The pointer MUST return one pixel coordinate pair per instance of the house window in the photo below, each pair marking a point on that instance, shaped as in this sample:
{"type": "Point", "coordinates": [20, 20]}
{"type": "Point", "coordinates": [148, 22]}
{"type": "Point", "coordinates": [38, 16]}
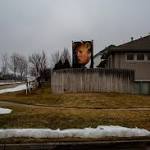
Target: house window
{"type": "Point", "coordinates": [130, 56]}
{"type": "Point", "coordinates": [140, 56]}
{"type": "Point", "coordinates": [148, 56]}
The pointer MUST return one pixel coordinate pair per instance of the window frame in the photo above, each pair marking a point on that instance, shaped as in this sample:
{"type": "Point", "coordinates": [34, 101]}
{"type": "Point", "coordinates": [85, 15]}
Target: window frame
{"type": "Point", "coordinates": [132, 59]}
{"type": "Point", "coordinates": [140, 60]}
{"type": "Point", "coordinates": [147, 57]}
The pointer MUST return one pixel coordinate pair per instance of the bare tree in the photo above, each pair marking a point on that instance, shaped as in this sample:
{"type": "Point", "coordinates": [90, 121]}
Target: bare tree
{"type": "Point", "coordinates": [38, 63]}
{"type": "Point", "coordinates": [14, 63]}
{"type": "Point", "coordinates": [43, 63]}
{"type": "Point", "coordinates": [65, 55]}
{"type": "Point", "coordinates": [18, 64]}
{"type": "Point", "coordinates": [22, 68]}
{"type": "Point", "coordinates": [61, 61]}
{"type": "Point", "coordinates": [35, 59]}
{"type": "Point", "coordinates": [55, 58]}
{"type": "Point", "coordinates": [4, 68]}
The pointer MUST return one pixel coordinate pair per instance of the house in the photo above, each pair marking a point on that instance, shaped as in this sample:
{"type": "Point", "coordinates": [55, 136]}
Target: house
{"type": "Point", "coordinates": [99, 60]}
{"type": "Point", "coordinates": [134, 55]}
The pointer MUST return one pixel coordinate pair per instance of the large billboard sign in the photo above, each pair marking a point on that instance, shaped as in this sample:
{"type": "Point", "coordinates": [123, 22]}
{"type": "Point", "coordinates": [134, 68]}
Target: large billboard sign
{"type": "Point", "coordinates": [82, 54]}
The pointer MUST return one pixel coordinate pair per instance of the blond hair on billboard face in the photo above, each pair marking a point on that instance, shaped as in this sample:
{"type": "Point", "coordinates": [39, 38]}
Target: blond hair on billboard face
{"type": "Point", "coordinates": [88, 45]}
{"type": "Point", "coordinates": [83, 53]}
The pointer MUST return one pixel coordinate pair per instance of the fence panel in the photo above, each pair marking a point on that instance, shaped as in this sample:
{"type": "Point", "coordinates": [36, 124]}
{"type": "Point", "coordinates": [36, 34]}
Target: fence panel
{"type": "Point", "coordinates": [92, 80]}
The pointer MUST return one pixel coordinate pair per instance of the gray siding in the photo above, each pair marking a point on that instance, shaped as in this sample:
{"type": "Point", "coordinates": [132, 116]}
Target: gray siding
{"type": "Point", "coordinates": [141, 68]}
{"type": "Point", "coordinates": [142, 87]}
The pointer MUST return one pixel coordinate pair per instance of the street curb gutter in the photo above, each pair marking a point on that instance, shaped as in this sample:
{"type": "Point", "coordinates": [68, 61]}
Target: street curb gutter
{"type": "Point", "coordinates": [113, 145]}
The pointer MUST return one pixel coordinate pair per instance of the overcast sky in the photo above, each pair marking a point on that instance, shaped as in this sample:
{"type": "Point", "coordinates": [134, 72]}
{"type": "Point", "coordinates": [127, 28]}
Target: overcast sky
{"type": "Point", "coordinates": [27, 26]}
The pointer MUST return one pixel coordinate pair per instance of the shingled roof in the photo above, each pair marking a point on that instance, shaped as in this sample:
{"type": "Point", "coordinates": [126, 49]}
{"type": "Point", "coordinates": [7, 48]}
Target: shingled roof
{"type": "Point", "coordinates": [104, 50]}
{"type": "Point", "coordinates": [141, 44]}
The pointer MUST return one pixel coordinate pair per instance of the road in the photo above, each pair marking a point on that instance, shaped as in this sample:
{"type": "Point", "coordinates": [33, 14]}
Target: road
{"type": "Point", "coordinates": [108, 145]}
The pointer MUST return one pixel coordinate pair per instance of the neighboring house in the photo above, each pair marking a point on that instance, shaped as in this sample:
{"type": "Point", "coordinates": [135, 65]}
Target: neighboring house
{"type": "Point", "coordinates": [99, 61]}
{"type": "Point", "coordinates": [134, 55]}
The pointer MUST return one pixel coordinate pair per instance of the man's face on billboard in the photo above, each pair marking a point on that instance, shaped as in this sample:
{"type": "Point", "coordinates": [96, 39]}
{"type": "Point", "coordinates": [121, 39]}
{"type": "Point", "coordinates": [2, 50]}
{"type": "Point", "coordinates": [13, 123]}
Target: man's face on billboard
{"type": "Point", "coordinates": [83, 54]}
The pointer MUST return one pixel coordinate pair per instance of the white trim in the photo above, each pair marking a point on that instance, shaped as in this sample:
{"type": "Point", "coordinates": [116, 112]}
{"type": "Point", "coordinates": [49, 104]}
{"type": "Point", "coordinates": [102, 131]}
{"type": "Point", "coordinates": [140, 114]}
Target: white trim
{"type": "Point", "coordinates": [142, 80]}
{"type": "Point", "coordinates": [146, 54]}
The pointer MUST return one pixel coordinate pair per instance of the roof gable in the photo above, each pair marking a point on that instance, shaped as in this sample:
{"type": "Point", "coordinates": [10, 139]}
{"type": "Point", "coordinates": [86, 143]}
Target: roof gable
{"type": "Point", "coordinates": [138, 45]}
{"type": "Point", "coordinates": [104, 51]}
{"type": "Point", "coordinates": [135, 45]}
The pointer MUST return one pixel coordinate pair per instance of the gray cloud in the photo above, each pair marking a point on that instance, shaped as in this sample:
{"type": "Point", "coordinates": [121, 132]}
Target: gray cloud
{"type": "Point", "coordinates": [27, 26]}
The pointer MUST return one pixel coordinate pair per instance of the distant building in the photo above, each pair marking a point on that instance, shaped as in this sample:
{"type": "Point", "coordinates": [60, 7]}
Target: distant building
{"type": "Point", "coordinates": [134, 55]}
{"type": "Point", "coordinates": [99, 61]}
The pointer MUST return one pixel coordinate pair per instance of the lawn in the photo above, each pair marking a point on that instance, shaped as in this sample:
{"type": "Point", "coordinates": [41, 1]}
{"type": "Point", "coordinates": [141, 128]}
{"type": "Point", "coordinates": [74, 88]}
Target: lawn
{"type": "Point", "coordinates": [42, 109]}
{"type": "Point", "coordinates": [44, 97]}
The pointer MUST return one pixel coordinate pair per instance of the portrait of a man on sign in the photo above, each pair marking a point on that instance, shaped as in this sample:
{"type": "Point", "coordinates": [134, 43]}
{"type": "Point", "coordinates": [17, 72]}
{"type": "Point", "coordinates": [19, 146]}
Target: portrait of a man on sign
{"type": "Point", "coordinates": [82, 54]}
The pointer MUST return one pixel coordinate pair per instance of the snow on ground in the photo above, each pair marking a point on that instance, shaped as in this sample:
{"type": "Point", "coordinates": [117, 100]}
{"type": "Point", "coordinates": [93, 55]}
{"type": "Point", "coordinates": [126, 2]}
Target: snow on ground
{"type": "Point", "coordinates": [5, 111]}
{"type": "Point", "coordinates": [14, 89]}
{"type": "Point", "coordinates": [99, 132]}
{"type": "Point", "coordinates": [8, 82]}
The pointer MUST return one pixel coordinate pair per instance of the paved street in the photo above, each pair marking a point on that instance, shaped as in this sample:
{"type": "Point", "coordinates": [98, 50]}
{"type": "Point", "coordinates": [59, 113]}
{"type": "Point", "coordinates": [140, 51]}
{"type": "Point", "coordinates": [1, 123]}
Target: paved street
{"type": "Point", "coordinates": [115, 145]}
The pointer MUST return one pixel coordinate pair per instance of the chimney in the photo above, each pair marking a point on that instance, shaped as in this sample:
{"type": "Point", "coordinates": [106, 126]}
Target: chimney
{"type": "Point", "coordinates": [132, 38]}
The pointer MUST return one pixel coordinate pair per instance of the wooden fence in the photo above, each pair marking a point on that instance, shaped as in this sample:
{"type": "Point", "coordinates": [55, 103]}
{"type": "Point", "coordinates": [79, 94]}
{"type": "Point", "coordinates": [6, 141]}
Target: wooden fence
{"type": "Point", "coordinates": [92, 80]}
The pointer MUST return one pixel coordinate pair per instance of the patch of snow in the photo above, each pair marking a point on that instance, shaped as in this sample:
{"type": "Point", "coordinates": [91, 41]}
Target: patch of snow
{"type": "Point", "coordinates": [31, 78]}
{"type": "Point", "coordinates": [99, 132]}
{"type": "Point", "coordinates": [9, 82]}
{"type": "Point", "coordinates": [14, 89]}
{"type": "Point", "coordinates": [5, 111]}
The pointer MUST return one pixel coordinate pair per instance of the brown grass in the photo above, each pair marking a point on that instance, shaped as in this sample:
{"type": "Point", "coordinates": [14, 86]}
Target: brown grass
{"type": "Point", "coordinates": [41, 117]}
{"type": "Point", "coordinates": [74, 110]}
{"type": "Point", "coordinates": [90, 100]}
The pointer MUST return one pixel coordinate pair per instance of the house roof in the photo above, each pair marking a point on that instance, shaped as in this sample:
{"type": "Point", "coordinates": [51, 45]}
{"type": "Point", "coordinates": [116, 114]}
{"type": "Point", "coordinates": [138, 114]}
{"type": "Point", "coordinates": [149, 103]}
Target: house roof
{"type": "Point", "coordinates": [141, 44]}
{"type": "Point", "coordinates": [103, 51]}
{"type": "Point", "coordinates": [99, 53]}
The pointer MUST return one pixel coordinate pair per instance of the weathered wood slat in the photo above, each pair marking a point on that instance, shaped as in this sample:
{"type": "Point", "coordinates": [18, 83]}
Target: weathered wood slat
{"type": "Point", "coordinates": [92, 80]}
